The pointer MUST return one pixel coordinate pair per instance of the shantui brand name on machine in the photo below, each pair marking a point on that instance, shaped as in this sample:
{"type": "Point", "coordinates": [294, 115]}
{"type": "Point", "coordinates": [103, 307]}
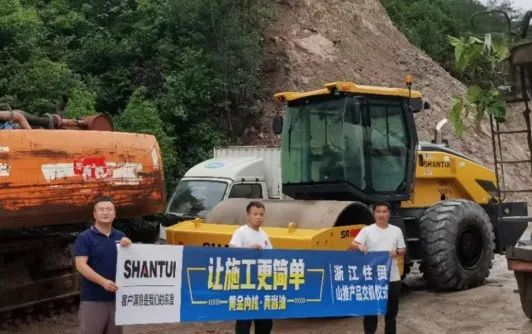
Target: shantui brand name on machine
{"type": "Point", "coordinates": [435, 164]}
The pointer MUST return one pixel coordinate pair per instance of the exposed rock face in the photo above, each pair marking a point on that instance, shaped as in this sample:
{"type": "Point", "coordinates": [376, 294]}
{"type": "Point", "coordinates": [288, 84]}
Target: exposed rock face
{"type": "Point", "coordinates": [311, 42]}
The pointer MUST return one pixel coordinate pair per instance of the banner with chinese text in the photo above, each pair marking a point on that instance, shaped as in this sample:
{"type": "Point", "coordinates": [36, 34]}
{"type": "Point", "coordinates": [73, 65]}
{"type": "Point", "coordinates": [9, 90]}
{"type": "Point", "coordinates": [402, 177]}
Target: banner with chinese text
{"type": "Point", "coordinates": [232, 283]}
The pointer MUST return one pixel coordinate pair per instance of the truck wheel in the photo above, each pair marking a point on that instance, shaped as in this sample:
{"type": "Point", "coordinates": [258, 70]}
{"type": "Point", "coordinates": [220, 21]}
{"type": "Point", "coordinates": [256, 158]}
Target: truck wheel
{"type": "Point", "coordinates": [524, 282]}
{"type": "Point", "coordinates": [457, 242]}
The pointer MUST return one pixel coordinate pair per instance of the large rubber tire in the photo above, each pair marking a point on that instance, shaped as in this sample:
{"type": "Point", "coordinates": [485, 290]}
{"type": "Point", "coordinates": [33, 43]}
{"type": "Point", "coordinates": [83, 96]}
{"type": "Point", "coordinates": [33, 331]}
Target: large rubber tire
{"type": "Point", "coordinates": [524, 282]}
{"type": "Point", "coordinates": [457, 242]}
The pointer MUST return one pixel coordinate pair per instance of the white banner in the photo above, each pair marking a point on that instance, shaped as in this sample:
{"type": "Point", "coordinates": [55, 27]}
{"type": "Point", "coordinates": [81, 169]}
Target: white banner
{"type": "Point", "coordinates": [149, 284]}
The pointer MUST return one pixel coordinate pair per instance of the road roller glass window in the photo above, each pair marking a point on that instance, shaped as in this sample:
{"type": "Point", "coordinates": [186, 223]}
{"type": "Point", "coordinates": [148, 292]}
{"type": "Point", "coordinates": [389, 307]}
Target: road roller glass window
{"type": "Point", "coordinates": [196, 198]}
{"type": "Point", "coordinates": [292, 147]}
{"type": "Point", "coordinates": [326, 142]}
{"type": "Point", "coordinates": [354, 143]}
{"type": "Point", "coordinates": [313, 147]}
{"type": "Point", "coordinates": [389, 144]}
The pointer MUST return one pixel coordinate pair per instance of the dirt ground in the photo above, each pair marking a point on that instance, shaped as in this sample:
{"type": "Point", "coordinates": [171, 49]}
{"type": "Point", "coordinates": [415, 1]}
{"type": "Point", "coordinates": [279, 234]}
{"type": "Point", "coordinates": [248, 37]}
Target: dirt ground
{"type": "Point", "coordinates": [491, 308]}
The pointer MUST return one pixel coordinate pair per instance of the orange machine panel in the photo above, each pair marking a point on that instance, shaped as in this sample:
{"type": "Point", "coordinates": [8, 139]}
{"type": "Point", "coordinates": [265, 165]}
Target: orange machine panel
{"type": "Point", "coordinates": [50, 177]}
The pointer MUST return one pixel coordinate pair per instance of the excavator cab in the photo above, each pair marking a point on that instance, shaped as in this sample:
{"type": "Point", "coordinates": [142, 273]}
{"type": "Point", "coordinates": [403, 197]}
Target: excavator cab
{"type": "Point", "coordinates": [349, 142]}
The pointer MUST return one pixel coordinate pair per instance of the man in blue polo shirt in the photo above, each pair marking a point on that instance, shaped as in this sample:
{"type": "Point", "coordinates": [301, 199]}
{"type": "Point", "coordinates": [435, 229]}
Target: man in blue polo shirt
{"type": "Point", "coordinates": [95, 250]}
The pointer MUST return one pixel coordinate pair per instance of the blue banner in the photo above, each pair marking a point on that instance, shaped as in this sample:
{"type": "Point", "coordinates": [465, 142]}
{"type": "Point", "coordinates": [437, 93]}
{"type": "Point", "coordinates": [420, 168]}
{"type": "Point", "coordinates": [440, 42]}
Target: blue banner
{"type": "Point", "coordinates": [233, 283]}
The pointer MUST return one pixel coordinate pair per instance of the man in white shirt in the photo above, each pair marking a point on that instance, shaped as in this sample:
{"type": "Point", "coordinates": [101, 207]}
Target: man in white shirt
{"type": "Point", "coordinates": [252, 236]}
{"type": "Point", "coordinates": [382, 236]}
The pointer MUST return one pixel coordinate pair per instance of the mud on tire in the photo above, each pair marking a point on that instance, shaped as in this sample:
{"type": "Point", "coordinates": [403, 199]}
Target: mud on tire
{"type": "Point", "coordinates": [457, 241]}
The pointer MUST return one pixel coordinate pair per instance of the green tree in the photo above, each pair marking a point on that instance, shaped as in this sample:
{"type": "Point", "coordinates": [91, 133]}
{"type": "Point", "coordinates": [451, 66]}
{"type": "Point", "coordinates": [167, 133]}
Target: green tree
{"type": "Point", "coordinates": [19, 31]}
{"type": "Point", "coordinates": [141, 116]}
{"type": "Point", "coordinates": [81, 102]}
{"type": "Point", "coordinates": [192, 63]}
{"type": "Point", "coordinates": [427, 23]}
{"type": "Point", "coordinates": [38, 84]}
{"type": "Point", "coordinates": [484, 60]}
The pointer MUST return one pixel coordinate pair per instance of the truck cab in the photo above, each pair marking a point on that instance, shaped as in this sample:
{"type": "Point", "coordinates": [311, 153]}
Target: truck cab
{"type": "Point", "coordinates": [235, 172]}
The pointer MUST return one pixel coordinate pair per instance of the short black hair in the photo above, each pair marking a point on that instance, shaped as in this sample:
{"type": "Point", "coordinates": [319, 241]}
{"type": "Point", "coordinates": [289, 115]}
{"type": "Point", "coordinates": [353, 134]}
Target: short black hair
{"type": "Point", "coordinates": [386, 204]}
{"type": "Point", "coordinates": [99, 199]}
{"type": "Point", "coordinates": [255, 204]}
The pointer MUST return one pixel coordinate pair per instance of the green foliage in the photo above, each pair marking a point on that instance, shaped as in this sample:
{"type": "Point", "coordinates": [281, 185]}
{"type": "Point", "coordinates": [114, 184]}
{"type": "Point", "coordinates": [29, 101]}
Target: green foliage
{"type": "Point", "coordinates": [478, 61]}
{"type": "Point", "coordinates": [81, 102]}
{"type": "Point", "coordinates": [479, 103]}
{"type": "Point", "coordinates": [427, 23]}
{"type": "Point", "coordinates": [467, 52]}
{"type": "Point", "coordinates": [141, 116]}
{"type": "Point", "coordinates": [457, 114]}
{"type": "Point", "coordinates": [205, 136]}
{"type": "Point", "coordinates": [19, 29]}
{"type": "Point", "coordinates": [484, 62]}
{"type": "Point", "coordinates": [37, 84]}
{"type": "Point", "coordinates": [192, 64]}
{"type": "Point", "coordinates": [482, 58]}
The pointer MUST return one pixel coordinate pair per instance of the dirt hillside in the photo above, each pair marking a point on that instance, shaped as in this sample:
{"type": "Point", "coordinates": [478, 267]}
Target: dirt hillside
{"type": "Point", "coordinates": [312, 42]}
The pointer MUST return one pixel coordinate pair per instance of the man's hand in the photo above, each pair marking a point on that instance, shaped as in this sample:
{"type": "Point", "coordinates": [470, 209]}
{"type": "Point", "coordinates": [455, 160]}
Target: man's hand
{"type": "Point", "coordinates": [256, 246]}
{"type": "Point", "coordinates": [363, 248]}
{"type": "Point", "coordinates": [110, 285]}
{"type": "Point", "coordinates": [356, 246]}
{"type": "Point", "coordinates": [125, 241]}
{"type": "Point", "coordinates": [393, 253]}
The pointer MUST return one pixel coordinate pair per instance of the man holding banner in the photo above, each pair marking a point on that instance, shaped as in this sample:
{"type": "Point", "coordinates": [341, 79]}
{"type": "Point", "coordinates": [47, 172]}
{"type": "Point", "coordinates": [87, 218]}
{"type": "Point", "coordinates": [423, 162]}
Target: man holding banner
{"type": "Point", "coordinates": [382, 236]}
{"type": "Point", "coordinates": [252, 236]}
{"type": "Point", "coordinates": [95, 252]}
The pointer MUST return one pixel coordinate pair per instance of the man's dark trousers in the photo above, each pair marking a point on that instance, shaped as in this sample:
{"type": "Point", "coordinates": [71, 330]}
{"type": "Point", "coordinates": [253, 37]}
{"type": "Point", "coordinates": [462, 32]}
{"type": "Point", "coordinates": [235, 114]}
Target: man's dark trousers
{"type": "Point", "coordinates": [262, 326]}
{"type": "Point", "coordinates": [370, 321]}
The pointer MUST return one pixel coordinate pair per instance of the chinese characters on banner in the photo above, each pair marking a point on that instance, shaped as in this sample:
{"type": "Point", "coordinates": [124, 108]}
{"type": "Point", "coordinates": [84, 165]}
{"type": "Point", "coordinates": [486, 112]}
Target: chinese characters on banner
{"type": "Point", "coordinates": [230, 283]}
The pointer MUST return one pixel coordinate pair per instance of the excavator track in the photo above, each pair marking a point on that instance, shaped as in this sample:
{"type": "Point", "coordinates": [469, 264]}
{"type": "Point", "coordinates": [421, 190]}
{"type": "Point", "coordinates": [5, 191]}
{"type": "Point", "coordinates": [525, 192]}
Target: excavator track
{"type": "Point", "coordinates": [37, 275]}
{"type": "Point", "coordinates": [30, 314]}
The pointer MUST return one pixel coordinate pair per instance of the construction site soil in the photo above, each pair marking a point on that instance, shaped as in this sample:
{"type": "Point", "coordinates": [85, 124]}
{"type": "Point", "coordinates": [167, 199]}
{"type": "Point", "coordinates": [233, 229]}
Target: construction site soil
{"type": "Point", "coordinates": [310, 43]}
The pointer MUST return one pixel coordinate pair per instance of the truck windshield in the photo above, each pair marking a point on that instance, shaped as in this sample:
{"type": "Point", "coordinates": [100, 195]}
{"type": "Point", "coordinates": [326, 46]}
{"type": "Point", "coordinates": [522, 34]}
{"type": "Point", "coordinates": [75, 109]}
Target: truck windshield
{"type": "Point", "coordinates": [196, 198]}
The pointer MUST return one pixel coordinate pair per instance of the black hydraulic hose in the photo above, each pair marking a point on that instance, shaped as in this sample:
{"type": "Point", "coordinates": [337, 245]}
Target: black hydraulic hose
{"type": "Point", "coordinates": [46, 121]}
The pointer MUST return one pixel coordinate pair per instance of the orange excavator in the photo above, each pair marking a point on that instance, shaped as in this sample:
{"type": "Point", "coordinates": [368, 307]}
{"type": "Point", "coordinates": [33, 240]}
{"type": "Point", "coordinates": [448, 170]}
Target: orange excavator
{"type": "Point", "coordinates": [51, 169]}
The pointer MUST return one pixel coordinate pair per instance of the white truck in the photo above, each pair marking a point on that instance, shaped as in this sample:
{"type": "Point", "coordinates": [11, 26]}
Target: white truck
{"type": "Point", "coordinates": [233, 172]}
